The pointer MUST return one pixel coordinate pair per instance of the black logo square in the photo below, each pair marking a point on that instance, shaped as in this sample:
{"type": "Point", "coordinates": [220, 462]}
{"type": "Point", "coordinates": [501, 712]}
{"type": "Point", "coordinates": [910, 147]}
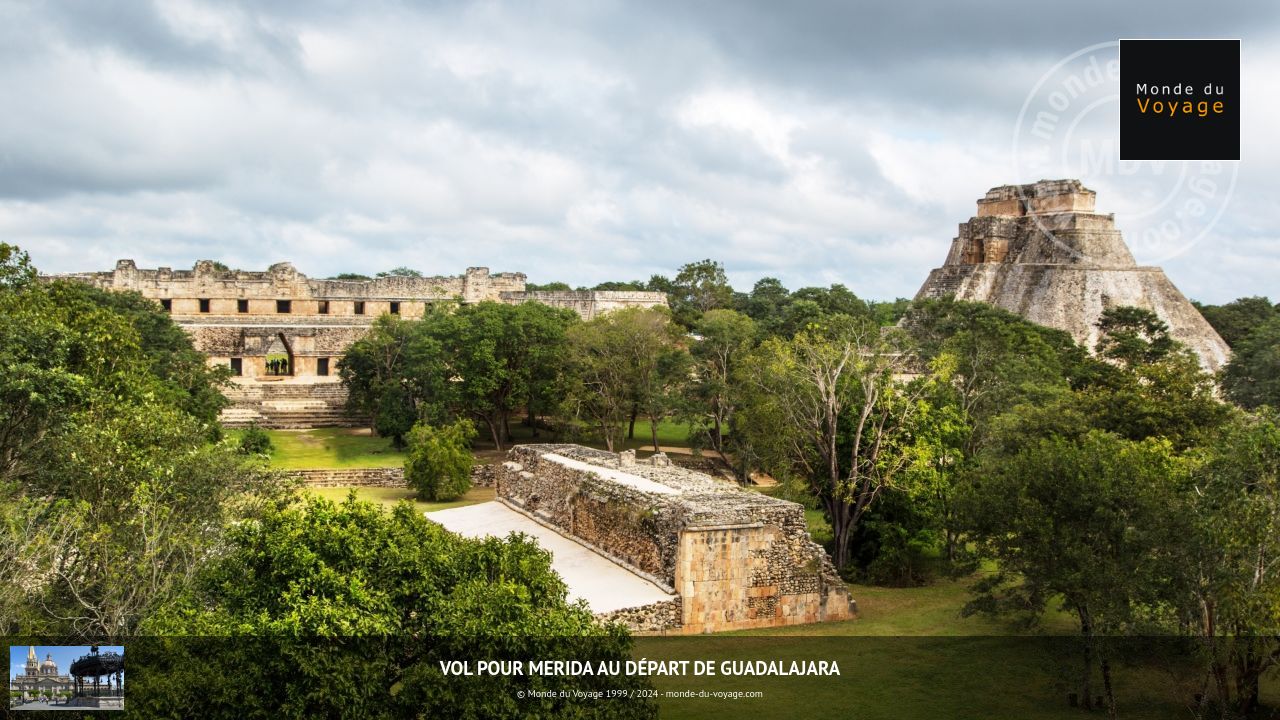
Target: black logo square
{"type": "Point", "coordinates": [1179, 99]}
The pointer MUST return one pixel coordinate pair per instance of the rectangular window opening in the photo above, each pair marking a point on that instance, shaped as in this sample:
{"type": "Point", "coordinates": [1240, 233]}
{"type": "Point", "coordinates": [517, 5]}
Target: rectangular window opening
{"type": "Point", "coordinates": [284, 306]}
{"type": "Point", "coordinates": [242, 306]}
{"type": "Point", "coordinates": [359, 307]}
{"type": "Point", "coordinates": [322, 307]}
{"type": "Point", "coordinates": [204, 305]}
{"type": "Point", "coordinates": [237, 367]}
{"type": "Point", "coordinates": [322, 366]}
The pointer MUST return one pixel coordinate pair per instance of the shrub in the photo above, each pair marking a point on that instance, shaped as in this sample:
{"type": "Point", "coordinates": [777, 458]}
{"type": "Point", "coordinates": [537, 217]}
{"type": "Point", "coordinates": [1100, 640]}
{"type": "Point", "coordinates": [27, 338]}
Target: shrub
{"type": "Point", "coordinates": [439, 461]}
{"type": "Point", "coordinates": [255, 441]}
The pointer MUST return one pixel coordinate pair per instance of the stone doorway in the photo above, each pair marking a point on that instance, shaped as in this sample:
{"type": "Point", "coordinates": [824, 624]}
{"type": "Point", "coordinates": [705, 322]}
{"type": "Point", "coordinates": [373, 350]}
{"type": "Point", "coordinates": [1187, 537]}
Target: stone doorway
{"type": "Point", "coordinates": [279, 360]}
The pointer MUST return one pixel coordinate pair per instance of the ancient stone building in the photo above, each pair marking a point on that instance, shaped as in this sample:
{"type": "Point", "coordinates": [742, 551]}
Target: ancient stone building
{"type": "Point", "coordinates": [1041, 251]}
{"type": "Point", "coordinates": [282, 333]}
{"type": "Point", "coordinates": [703, 555]}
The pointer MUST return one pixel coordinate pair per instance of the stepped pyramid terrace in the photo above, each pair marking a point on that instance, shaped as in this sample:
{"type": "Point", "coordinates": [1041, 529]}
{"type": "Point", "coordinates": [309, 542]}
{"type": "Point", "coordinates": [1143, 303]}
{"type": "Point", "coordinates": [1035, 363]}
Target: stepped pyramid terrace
{"type": "Point", "coordinates": [1042, 251]}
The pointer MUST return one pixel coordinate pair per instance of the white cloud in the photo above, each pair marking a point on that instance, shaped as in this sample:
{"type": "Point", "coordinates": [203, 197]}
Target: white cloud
{"type": "Point", "coordinates": [576, 142]}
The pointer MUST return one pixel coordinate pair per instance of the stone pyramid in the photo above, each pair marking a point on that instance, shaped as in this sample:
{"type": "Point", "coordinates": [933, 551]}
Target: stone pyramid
{"type": "Point", "coordinates": [1041, 251]}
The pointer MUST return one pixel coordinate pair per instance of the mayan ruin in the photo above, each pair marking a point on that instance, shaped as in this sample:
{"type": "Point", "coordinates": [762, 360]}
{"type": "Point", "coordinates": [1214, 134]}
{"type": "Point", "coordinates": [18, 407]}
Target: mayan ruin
{"type": "Point", "coordinates": [283, 333]}
{"type": "Point", "coordinates": [1041, 250]}
{"type": "Point", "coordinates": [699, 554]}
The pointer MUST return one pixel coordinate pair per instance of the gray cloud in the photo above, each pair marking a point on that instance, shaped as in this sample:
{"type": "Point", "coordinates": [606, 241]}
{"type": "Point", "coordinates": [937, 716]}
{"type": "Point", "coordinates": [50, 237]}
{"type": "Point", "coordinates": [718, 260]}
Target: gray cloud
{"type": "Point", "coordinates": [578, 141]}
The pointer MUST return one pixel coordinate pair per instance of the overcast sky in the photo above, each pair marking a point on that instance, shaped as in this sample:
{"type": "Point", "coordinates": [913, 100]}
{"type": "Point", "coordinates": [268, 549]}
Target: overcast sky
{"type": "Point", "coordinates": [583, 141]}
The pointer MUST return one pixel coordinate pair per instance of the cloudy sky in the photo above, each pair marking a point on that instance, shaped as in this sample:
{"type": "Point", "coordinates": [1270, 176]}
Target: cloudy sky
{"type": "Point", "coordinates": [586, 141]}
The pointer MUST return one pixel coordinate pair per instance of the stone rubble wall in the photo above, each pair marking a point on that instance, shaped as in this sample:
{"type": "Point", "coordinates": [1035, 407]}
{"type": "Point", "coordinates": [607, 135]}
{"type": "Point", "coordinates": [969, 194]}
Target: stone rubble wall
{"type": "Point", "coordinates": [353, 477]}
{"type": "Point", "coordinates": [659, 617]}
{"type": "Point", "coordinates": [481, 476]}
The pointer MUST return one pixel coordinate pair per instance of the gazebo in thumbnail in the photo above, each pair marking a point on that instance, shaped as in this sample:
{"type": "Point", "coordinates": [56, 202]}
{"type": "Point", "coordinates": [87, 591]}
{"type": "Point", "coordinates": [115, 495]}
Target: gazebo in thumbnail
{"type": "Point", "coordinates": [99, 666]}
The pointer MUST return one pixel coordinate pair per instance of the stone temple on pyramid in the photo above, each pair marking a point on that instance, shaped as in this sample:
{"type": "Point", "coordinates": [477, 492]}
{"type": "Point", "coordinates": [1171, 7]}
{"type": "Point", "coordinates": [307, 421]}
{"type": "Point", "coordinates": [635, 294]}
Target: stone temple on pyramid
{"type": "Point", "coordinates": [1041, 251]}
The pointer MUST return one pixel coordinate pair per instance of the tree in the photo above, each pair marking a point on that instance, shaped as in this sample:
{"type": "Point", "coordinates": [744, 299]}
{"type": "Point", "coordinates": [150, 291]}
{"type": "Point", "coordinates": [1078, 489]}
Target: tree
{"type": "Point", "coordinates": [499, 357]}
{"type": "Point", "coordinates": [401, 271]}
{"type": "Point", "coordinates": [1133, 336]}
{"type": "Point", "coordinates": [766, 304]}
{"type": "Point", "coordinates": [698, 287]}
{"type": "Point", "coordinates": [106, 445]}
{"type": "Point", "coordinates": [439, 462]}
{"type": "Point", "coordinates": [724, 337]}
{"type": "Point", "coordinates": [1221, 552]}
{"type": "Point", "coordinates": [1252, 376]}
{"type": "Point", "coordinates": [255, 441]}
{"type": "Point", "coordinates": [1076, 518]}
{"type": "Point", "coordinates": [551, 286]}
{"type": "Point", "coordinates": [376, 370]}
{"type": "Point", "coordinates": [623, 362]}
{"type": "Point", "coordinates": [348, 610]}
{"type": "Point", "coordinates": [1146, 384]}
{"type": "Point", "coordinates": [828, 407]}
{"type": "Point", "coordinates": [1237, 319]}
{"type": "Point", "coordinates": [621, 285]}
{"type": "Point", "coordinates": [482, 361]}
{"type": "Point", "coordinates": [350, 276]}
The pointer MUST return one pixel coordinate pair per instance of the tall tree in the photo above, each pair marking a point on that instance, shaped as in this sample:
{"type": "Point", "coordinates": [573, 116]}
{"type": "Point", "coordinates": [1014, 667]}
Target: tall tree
{"type": "Point", "coordinates": [830, 407]}
{"type": "Point", "coordinates": [698, 287]}
{"type": "Point", "coordinates": [624, 360]}
{"type": "Point", "coordinates": [1076, 518]}
{"type": "Point", "coordinates": [724, 337]}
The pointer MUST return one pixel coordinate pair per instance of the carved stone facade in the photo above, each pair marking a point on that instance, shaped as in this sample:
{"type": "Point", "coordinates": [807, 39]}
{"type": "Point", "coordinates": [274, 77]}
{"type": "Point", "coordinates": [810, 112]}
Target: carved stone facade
{"type": "Point", "coordinates": [734, 559]}
{"type": "Point", "coordinates": [281, 325]}
{"type": "Point", "coordinates": [1040, 250]}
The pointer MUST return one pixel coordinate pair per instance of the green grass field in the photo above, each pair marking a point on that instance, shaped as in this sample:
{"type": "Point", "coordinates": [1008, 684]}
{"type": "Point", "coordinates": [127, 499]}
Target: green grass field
{"type": "Point", "coordinates": [331, 448]}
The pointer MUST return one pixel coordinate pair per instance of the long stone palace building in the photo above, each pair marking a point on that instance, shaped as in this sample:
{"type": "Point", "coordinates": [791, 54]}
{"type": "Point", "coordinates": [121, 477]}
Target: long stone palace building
{"type": "Point", "coordinates": [282, 333]}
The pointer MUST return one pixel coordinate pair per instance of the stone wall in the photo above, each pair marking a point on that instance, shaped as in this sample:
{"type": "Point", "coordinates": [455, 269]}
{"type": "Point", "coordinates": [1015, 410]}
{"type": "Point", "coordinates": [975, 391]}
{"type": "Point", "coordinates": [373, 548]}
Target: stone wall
{"type": "Point", "coordinates": [354, 477]}
{"type": "Point", "coordinates": [738, 559]}
{"type": "Point", "coordinates": [481, 476]}
{"type": "Point", "coordinates": [657, 618]}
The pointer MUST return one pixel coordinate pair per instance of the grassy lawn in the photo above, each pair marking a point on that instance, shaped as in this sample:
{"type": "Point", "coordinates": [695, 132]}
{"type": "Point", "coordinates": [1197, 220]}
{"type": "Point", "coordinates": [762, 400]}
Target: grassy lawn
{"type": "Point", "coordinates": [332, 448]}
{"type": "Point", "coordinates": [911, 655]}
{"type": "Point", "coordinates": [389, 497]}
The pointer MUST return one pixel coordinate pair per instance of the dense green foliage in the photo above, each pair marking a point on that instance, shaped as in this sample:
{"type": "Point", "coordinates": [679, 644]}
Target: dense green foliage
{"type": "Point", "coordinates": [1252, 377]}
{"type": "Point", "coordinates": [482, 362]}
{"type": "Point", "coordinates": [439, 461]}
{"type": "Point", "coordinates": [255, 441]}
{"type": "Point", "coordinates": [112, 488]}
{"type": "Point", "coordinates": [404, 594]}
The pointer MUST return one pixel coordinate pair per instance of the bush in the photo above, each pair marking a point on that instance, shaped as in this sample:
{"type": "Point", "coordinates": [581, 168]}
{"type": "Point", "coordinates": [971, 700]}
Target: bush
{"type": "Point", "coordinates": [255, 441]}
{"type": "Point", "coordinates": [439, 461]}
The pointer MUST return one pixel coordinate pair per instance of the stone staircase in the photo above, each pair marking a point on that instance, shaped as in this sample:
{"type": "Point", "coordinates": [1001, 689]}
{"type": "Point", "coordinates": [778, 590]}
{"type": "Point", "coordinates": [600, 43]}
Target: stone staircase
{"type": "Point", "coordinates": [288, 406]}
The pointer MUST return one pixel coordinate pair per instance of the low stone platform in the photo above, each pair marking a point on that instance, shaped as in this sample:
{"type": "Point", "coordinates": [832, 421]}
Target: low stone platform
{"type": "Point", "coordinates": [723, 558]}
{"type": "Point", "coordinates": [605, 585]}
